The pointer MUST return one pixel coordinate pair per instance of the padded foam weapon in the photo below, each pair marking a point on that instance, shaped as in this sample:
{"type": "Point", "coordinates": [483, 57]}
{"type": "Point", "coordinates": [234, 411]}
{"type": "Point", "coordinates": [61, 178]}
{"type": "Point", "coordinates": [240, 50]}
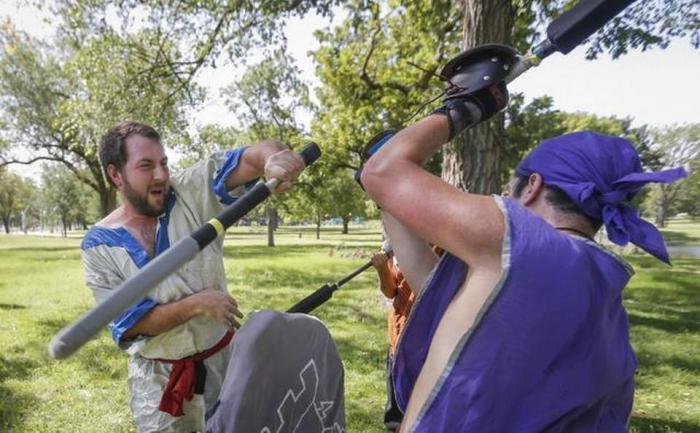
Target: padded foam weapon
{"type": "Point", "coordinates": [325, 292]}
{"type": "Point", "coordinates": [489, 64]}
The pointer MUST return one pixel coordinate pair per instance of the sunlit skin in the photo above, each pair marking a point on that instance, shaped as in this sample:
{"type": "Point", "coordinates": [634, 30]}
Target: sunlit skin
{"type": "Point", "coordinates": [146, 179]}
{"type": "Point", "coordinates": [143, 183]}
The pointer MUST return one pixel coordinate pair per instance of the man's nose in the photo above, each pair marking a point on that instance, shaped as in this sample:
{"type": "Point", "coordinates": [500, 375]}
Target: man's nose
{"type": "Point", "coordinates": [161, 173]}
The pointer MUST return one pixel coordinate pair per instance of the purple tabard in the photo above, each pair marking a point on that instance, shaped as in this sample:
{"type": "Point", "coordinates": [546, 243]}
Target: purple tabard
{"type": "Point", "coordinates": [549, 351]}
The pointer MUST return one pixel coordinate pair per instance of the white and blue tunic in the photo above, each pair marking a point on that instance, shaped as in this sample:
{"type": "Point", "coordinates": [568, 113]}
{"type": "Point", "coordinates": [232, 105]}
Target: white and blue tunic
{"type": "Point", "coordinates": [112, 255]}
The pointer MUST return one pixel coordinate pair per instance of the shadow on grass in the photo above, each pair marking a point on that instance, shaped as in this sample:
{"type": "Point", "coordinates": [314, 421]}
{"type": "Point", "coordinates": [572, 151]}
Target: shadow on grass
{"type": "Point", "coordinates": [674, 237]}
{"type": "Point", "coordinates": [12, 306]}
{"type": "Point", "coordinates": [664, 300]}
{"type": "Point", "coordinates": [656, 364]}
{"type": "Point", "coordinates": [672, 322]}
{"type": "Point", "coordinates": [642, 424]}
{"type": "Point", "coordinates": [41, 255]}
{"type": "Point", "coordinates": [35, 250]}
{"type": "Point", "coordinates": [15, 405]}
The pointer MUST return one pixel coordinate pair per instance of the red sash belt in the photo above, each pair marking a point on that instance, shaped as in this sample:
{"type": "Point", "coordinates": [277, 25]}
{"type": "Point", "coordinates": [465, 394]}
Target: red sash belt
{"type": "Point", "coordinates": [182, 381]}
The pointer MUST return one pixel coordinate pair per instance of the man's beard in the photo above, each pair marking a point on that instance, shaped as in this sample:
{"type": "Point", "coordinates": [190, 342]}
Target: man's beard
{"type": "Point", "coordinates": [140, 201]}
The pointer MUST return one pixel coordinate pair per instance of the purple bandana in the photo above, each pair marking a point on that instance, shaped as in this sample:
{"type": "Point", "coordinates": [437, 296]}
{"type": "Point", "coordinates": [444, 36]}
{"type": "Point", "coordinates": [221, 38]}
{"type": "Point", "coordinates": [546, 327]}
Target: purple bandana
{"type": "Point", "coordinates": [600, 174]}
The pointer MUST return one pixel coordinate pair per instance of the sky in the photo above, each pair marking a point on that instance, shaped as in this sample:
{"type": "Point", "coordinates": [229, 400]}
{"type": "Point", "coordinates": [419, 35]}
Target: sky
{"type": "Point", "coordinates": [656, 87]}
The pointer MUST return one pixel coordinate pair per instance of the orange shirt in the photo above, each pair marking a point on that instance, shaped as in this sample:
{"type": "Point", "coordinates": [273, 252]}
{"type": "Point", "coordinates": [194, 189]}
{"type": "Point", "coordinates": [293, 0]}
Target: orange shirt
{"type": "Point", "coordinates": [401, 306]}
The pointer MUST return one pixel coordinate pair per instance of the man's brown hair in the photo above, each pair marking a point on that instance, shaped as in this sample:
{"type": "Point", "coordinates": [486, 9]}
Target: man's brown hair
{"type": "Point", "coordinates": [112, 149]}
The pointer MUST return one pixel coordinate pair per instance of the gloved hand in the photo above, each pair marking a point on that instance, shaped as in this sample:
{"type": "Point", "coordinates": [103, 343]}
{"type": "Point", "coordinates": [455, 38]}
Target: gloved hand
{"type": "Point", "coordinates": [464, 109]}
{"type": "Point", "coordinates": [372, 146]}
{"type": "Point", "coordinates": [477, 88]}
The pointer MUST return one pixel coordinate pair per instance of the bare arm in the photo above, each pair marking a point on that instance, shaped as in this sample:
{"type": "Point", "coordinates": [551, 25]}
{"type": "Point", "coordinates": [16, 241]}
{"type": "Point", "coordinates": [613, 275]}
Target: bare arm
{"type": "Point", "coordinates": [415, 256]}
{"type": "Point", "coordinates": [469, 226]}
{"type": "Point", "coordinates": [211, 303]}
{"type": "Point", "coordinates": [271, 159]}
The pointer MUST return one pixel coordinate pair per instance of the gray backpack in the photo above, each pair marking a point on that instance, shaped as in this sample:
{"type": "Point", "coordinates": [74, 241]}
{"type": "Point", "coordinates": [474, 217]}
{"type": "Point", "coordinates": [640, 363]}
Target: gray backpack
{"type": "Point", "coordinates": [284, 376]}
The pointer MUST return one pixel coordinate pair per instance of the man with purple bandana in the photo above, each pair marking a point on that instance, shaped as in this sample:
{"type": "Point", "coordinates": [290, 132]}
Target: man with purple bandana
{"type": "Point", "coordinates": [519, 327]}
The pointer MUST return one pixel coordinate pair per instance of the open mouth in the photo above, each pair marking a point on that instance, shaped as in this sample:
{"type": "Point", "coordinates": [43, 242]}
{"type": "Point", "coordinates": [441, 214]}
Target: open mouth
{"type": "Point", "coordinates": [159, 192]}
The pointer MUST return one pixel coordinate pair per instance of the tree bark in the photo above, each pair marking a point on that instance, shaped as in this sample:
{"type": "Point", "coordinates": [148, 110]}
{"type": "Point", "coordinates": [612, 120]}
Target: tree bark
{"type": "Point", "coordinates": [6, 223]}
{"type": "Point", "coordinates": [23, 220]}
{"type": "Point", "coordinates": [661, 206]}
{"type": "Point", "coordinates": [271, 225]}
{"type": "Point", "coordinates": [346, 222]}
{"type": "Point", "coordinates": [472, 161]}
{"type": "Point", "coordinates": [318, 226]}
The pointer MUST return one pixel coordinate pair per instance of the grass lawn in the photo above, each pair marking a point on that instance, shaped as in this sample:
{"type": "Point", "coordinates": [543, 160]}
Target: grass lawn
{"type": "Point", "coordinates": [42, 289]}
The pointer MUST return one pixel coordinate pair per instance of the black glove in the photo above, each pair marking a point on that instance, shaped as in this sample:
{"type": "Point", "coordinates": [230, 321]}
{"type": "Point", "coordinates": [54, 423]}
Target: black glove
{"type": "Point", "coordinates": [372, 146]}
{"type": "Point", "coordinates": [477, 88]}
{"type": "Point", "coordinates": [464, 109]}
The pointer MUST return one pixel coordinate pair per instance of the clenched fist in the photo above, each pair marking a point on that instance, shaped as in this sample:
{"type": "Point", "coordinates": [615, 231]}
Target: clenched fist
{"type": "Point", "coordinates": [219, 306]}
{"type": "Point", "coordinates": [284, 165]}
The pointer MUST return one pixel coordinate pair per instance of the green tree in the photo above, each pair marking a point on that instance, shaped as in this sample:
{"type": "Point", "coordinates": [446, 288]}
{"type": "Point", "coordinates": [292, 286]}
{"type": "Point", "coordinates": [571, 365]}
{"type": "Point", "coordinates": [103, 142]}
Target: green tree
{"type": "Point", "coordinates": [688, 197]}
{"type": "Point", "coordinates": [526, 126]}
{"type": "Point", "coordinates": [473, 162]}
{"type": "Point", "coordinates": [326, 191]}
{"type": "Point", "coordinates": [65, 197]}
{"type": "Point", "coordinates": [60, 98]}
{"type": "Point", "coordinates": [369, 83]}
{"type": "Point", "coordinates": [268, 100]}
{"type": "Point", "coordinates": [679, 146]}
{"type": "Point", "coordinates": [15, 194]}
{"type": "Point", "coordinates": [377, 69]}
{"type": "Point", "coordinates": [211, 138]}
{"type": "Point", "coordinates": [205, 33]}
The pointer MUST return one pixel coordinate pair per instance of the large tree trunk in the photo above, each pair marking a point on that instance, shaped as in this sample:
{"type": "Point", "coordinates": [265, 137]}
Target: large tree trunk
{"type": "Point", "coordinates": [661, 206]}
{"type": "Point", "coordinates": [318, 226]}
{"type": "Point", "coordinates": [24, 219]}
{"type": "Point", "coordinates": [346, 222]}
{"type": "Point", "coordinates": [6, 223]}
{"type": "Point", "coordinates": [271, 225]}
{"type": "Point", "coordinates": [472, 161]}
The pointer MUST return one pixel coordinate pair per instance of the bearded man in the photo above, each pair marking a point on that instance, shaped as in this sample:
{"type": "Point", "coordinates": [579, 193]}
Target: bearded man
{"type": "Point", "coordinates": [177, 337]}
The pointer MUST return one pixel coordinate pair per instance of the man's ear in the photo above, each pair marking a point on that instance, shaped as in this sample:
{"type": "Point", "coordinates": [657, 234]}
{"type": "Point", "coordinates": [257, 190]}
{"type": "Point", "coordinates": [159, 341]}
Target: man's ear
{"type": "Point", "coordinates": [533, 190]}
{"type": "Point", "coordinates": [115, 175]}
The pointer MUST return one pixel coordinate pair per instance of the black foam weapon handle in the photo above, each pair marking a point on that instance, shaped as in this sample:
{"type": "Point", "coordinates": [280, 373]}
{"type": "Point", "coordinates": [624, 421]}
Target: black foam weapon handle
{"type": "Point", "coordinates": [248, 201]}
{"type": "Point", "coordinates": [315, 299]}
{"type": "Point", "coordinates": [311, 152]}
{"type": "Point", "coordinates": [579, 22]}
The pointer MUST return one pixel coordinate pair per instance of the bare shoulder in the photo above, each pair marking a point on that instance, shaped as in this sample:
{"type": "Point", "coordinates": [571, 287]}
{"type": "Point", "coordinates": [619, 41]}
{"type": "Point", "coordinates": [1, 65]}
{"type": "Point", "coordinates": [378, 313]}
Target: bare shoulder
{"type": "Point", "coordinates": [470, 226]}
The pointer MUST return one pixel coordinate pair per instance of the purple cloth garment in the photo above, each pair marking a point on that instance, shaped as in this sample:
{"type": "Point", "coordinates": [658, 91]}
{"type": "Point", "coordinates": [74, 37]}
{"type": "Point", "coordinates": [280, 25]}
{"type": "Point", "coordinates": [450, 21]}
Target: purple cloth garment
{"type": "Point", "coordinates": [600, 173]}
{"type": "Point", "coordinates": [549, 351]}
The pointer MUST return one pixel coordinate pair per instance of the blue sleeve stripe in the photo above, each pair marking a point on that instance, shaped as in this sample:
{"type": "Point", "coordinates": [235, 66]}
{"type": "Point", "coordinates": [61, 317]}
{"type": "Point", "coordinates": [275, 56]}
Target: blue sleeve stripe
{"type": "Point", "coordinates": [128, 319]}
{"type": "Point", "coordinates": [118, 237]}
{"type": "Point", "coordinates": [219, 181]}
{"type": "Point", "coordinates": [162, 238]}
